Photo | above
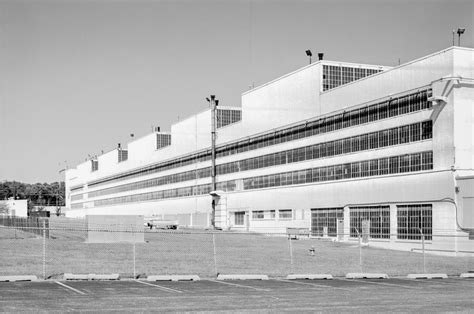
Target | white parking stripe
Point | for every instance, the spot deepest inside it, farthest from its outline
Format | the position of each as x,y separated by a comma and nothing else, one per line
439,282
381,283
70,288
159,287
237,285
312,284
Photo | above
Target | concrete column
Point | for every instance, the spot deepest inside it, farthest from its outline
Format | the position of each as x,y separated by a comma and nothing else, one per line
347,223
393,222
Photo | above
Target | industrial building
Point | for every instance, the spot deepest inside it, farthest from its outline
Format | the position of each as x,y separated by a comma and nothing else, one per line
333,147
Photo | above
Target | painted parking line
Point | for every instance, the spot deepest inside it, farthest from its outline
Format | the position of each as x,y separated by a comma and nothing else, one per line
158,286
70,288
379,283
312,284
238,285
440,282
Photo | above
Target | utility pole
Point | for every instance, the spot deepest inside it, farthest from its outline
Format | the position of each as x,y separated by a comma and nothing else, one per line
58,204
214,103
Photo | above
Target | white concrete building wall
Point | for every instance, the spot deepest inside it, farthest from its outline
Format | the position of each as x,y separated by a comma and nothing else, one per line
191,134
293,97
17,208
414,74
296,97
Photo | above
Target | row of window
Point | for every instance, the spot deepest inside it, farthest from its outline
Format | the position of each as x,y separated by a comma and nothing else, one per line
77,206
203,189
421,161
94,165
373,221
77,188
404,134
324,221
334,76
375,167
228,116
122,155
413,221
162,140
76,197
400,135
271,214
393,107
169,179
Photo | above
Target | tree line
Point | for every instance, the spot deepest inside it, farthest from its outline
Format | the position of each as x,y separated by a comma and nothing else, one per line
37,194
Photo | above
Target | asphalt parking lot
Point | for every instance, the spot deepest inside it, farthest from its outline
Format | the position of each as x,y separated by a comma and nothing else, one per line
274,295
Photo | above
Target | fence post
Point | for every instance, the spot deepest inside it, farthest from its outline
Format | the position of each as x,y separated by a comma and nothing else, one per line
360,249
423,249
44,249
291,254
134,260
215,253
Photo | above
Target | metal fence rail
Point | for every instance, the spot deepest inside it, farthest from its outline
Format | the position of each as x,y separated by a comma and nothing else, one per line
36,225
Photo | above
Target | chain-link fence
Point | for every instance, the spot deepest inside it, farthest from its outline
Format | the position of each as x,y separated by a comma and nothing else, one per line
60,246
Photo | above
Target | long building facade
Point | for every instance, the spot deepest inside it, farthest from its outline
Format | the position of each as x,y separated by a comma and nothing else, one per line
334,147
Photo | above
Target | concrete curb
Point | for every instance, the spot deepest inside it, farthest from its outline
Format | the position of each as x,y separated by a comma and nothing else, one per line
242,277
69,276
173,278
427,276
467,275
309,276
18,278
366,276
104,276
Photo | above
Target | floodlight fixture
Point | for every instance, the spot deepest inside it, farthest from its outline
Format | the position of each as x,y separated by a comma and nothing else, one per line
460,31
208,100
309,54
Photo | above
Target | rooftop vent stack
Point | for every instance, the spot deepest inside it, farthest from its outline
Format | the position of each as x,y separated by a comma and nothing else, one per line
320,56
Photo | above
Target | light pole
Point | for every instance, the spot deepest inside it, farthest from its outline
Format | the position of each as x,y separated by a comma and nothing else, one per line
214,103
309,54
58,195
460,31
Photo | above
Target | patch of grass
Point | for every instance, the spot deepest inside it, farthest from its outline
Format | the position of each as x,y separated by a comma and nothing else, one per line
194,253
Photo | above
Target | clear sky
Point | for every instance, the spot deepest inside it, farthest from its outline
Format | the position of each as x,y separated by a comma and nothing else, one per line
77,77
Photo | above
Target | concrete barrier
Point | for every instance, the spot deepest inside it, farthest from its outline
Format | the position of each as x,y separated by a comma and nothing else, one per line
309,276
242,277
69,276
427,276
173,278
366,276
104,276
18,278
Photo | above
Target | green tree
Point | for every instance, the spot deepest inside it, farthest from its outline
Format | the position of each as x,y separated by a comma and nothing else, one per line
4,209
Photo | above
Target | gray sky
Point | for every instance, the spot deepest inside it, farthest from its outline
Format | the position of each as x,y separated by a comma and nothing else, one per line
77,77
